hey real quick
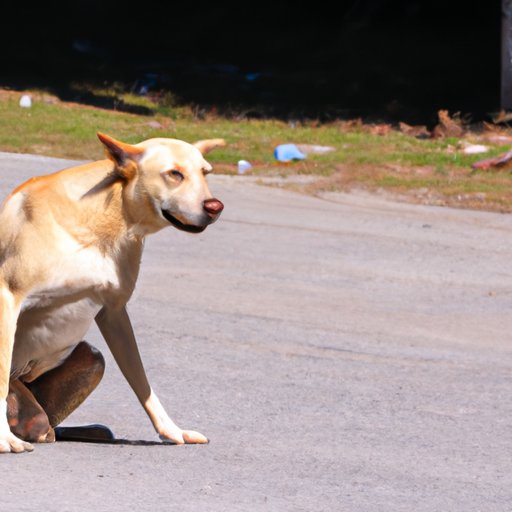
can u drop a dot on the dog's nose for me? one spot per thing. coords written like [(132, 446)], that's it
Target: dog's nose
[(213, 206)]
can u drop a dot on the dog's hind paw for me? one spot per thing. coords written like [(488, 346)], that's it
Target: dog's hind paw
[(10, 443)]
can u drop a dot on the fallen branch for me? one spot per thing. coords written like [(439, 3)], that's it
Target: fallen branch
[(497, 161)]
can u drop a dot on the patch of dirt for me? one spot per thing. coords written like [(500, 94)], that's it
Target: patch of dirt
[(365, 178)]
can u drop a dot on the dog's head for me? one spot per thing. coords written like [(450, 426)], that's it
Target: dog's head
[(165, 182)]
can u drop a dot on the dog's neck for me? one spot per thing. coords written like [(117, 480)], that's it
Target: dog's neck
[(93, 207)]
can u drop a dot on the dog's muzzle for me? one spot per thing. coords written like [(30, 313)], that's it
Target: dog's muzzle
[(213, 207)]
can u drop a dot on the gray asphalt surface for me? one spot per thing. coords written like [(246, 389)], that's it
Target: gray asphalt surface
[(342, 354)]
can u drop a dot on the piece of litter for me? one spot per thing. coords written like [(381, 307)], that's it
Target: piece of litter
[(500, 140), (497, 161), (315, 149), (25, 101), (474, 149), (243, 166), (288, 152)]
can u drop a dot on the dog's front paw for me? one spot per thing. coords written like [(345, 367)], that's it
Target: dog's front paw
[(183, 437), (193, 437), (10, 443)]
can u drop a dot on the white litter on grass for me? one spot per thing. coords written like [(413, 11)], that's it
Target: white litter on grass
[(25, 101), (243, 166), (474, 149), (315, 149)]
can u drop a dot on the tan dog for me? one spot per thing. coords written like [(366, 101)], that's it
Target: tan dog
[(70, 249)]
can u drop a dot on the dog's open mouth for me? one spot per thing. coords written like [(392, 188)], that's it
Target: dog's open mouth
[(179, 225)]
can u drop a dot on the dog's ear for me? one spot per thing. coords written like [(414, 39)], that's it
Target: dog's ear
[(205, 146), (125, 156)]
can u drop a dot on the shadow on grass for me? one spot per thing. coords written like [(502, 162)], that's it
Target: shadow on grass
[(102, 101), (68, 92)]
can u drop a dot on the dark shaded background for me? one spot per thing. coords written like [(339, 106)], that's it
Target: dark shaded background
[(380, 59)]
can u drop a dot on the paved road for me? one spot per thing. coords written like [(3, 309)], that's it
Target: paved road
[(344, 354)]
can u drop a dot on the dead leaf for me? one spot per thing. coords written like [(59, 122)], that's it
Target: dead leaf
[(448, 126), (380, 129), (414, 131), (502, 117)]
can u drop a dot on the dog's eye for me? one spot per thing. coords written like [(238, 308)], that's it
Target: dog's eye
[(177, 175)]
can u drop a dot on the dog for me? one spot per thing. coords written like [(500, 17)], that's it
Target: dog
[(70, 250)]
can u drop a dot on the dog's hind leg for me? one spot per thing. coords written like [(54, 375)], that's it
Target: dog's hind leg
[(25, 416), (61, 390)]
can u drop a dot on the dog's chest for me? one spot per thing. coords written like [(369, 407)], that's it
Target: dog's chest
[(83, 272), (57, 315)]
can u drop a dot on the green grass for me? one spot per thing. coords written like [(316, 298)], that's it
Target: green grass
[(394, 162)]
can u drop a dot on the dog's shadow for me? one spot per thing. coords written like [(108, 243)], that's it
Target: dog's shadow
[(129, 442), (100, 434)]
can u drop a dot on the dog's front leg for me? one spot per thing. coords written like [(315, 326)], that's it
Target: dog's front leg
[(9, 310), (116, 328)]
